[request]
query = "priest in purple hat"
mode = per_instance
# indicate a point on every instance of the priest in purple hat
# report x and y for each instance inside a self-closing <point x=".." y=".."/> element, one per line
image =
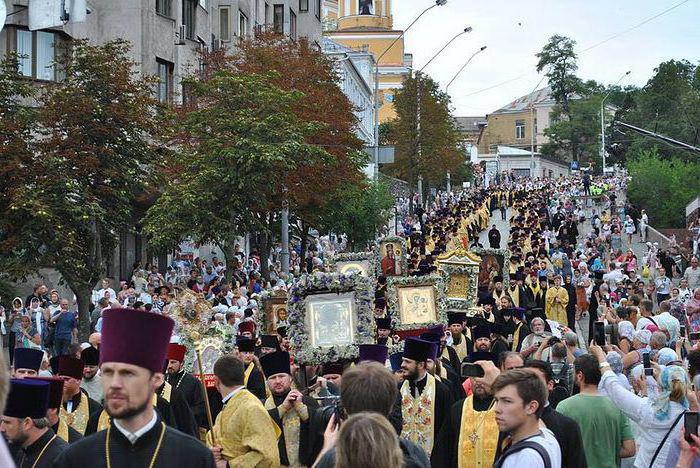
<point x="425" y="402"/>
<point x="132" y="354"/>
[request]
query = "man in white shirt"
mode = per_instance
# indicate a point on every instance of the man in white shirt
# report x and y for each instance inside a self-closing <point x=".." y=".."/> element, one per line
<point x="692" y="274"/>
<point x="106" y="288"/>
<point x="520" y="397"/>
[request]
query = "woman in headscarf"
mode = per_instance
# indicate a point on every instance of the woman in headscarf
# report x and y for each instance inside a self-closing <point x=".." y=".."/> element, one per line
<point x="670" y="325"/>
<point x="625" y="330"/>
<point x="692" y="308"/>
<point x="615" y="360"/>
<point x="640" y="345"/>
<point x="656" y="416"/>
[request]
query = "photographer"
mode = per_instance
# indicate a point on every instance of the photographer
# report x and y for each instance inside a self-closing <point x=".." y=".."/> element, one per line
<point x="369" y="386"/>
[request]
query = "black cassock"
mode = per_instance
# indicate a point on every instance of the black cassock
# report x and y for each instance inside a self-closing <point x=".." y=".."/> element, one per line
<point x="256" y="384"/>
<point x="73" y="435"/>
<point x="443" y="402"/>
<point x="29" y="456"/>
<point x="163" y="408"/>
<point x="304" y="445"/>
<point x="177" y="449"/>
<point x="191" y="389"/>
<point x="184" y="420"/>
<point x="568" y="434"/>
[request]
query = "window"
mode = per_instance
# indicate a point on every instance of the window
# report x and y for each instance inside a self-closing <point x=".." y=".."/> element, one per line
<point x="266" y="19"/>
<point x="189" y="17"/>
<point x="36" y="54"/>
<point x="535" y="125"/>
<point x="225" y="23"/>
<point x="292" y="24"/>
<point x="165" y="81"/>
<point x="303" y="5"/>
<point x="278" y="19"/>
<point x="164" y="7"/>
<point x="318" y="9"/>
<point x="242" y="24"/>
<point x="519" y="129"/>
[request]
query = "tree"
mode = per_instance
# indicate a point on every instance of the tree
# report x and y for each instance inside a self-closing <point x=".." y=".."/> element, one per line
<point x="236" y="146"/>
<point x="438" y="139"/>
<point x="663" y="186"/>
<point x="92" y="158"/>
<point x="359" y="211"/>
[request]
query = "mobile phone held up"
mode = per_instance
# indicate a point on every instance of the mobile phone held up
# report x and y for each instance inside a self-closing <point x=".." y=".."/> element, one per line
<point x="695" y="336"/>
<point x="691" y="421"/>
<point x="471" y="370"/>
<point x="648" y="370"/>
<point x="600" y="333"/>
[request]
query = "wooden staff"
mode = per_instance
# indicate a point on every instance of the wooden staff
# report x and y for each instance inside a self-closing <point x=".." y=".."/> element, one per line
<point x="206" y="397"/>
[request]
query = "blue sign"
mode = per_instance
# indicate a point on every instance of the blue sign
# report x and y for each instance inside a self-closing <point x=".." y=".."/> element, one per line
<point x="574" y="165"/>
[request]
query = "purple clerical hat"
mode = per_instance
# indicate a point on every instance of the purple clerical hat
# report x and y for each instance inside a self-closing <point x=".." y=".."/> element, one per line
<point x="373" y="352"/>
<point x="27" y="399"/>
<point x="417" y="349"/>
<point x="135" y="337"/>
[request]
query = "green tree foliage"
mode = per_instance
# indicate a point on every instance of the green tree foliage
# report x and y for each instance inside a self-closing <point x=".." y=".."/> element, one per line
<point x="80" y="181"/>
<point x="663" y="186"/>
<point x="236" y="146"/>
<point x="438" y="139"/>
<point x="558" y="60"/>
<point x="668" y="104"/>
<point x="359" y="211"/>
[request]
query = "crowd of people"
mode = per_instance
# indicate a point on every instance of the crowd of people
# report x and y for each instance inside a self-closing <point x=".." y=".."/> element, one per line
<point x="577" y="353"/>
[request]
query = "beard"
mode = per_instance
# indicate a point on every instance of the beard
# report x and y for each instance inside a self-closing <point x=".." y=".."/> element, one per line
<point x="127" y="412"/>
<point x="410" y="375"/>
<point x="19" y="439"/>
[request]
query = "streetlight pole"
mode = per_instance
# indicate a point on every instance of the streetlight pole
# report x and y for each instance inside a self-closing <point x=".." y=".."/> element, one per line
<point x="602" y="120"/>
<point x="376" y="84"/>
<point x="465" y="31"/>
<point x="481" y="49"/>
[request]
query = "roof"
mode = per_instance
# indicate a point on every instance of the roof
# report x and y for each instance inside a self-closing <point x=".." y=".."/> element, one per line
<point x="470" y="124"/>
<point x="538" y="98"/>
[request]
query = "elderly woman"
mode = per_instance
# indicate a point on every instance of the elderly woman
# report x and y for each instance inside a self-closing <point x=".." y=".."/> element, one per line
<point x="615" y="360"/>
<point x="625" y="330"/>
<point x="534" y="339"/>
<point x="640" y="345"/>
<point x="656" y="416"/>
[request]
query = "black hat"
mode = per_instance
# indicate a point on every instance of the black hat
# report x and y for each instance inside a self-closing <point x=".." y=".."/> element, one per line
<point x="497" y="328"/>
<point x="90" y="356"/>
<point x="456" y="317"/>
<point x="337" y="367"/>
<point x="282" y="332"/>
<point x="417" y="349"/>
<point x="27" y="399"/>
<point x="27" y="358"/>
<point x="486" y="300"/>
<point x="275" y="363"/>
<point x="383" y="323"/>
<point x="481" y="331"/>
<point x="245" y="345"/>
<point x="396" y="360"/>
<point x="498" y="279"/>
<point x="269" y="341"/>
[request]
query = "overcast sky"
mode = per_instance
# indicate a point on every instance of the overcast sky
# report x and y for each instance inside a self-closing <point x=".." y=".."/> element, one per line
<point x="514" y="31"/>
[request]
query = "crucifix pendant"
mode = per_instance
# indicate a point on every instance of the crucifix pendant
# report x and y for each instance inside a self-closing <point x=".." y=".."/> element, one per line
<point x="474" y="437"/>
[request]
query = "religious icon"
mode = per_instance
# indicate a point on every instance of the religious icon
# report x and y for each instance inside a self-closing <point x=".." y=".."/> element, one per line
<point x="391" y="259"/>
<point x="275" y="313"/>
<point x="490" y="266"/>
<point x="458" y="286"/>
<point x="330" y="320"/>
<point x="347" y="268"/>
<point x="417" y="304"/>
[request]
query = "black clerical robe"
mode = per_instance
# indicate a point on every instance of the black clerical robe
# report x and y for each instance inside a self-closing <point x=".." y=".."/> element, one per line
<point x="163" y="408"/>
<point x="33" y="456"/>
<point x="256" y="384"/>
<point x="191" y="388"/>
<point x="73" y="435"/>
<point x="443" y="402"/>
<point x="568" y="434"/>
<point x="183" y="418"/>
<point x="304" y="428"/>
<point x="177" y="449"/>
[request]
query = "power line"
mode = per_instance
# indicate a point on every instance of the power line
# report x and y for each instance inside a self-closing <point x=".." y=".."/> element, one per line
<point x="614" y="36"/>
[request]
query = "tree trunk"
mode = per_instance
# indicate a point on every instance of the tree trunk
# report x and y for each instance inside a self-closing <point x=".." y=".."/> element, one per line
<point x="228" y="249"/>
<point x="304" y="237"/>
<point x="83" y="295"/>
<point x="264" y="246"/>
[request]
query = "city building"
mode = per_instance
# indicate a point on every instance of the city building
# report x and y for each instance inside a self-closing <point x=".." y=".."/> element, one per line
<point x="356" y="72"/>
<point x="512" y="124"/>
<point x="521" y="163"/>
<point x="165" y="35"/>
<point x="369" y="23"/>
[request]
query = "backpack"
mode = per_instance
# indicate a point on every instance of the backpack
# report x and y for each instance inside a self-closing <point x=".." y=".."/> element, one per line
<point x="561" y="390"/>
<point x="521" y="446"/>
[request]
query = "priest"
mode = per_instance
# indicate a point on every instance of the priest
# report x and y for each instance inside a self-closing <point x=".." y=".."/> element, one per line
<point x="132" y="353"/>
<point x="185" y="383"/>
<point x="77" y="405"/>
<point x="425" y="402"/>
<point x="57" y="424"/>
<point x="24" y="425"/>
<point x="469" y="438"/>
<point x="460" y="343"/>
<point x="27" y="362"/>
<point x="289" y="409"/>
<point x="254" y="380"/>
<point x="91" y="376"/>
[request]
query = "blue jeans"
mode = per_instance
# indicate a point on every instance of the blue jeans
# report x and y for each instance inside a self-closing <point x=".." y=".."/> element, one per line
<point x="60" y="346"/>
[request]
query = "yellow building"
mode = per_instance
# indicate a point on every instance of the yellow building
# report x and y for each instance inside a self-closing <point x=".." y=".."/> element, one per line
<point x="368" y="25"/>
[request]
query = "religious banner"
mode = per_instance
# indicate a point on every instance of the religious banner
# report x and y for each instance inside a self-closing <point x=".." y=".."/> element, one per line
<point x="494" y="262"/>
<point x="329" y="315"/>
<point x="361" y="263"/>
<point x="392" y="256"/>
<point x="195" y="329"/>
<point x="460" y="270"/>
<point x="273" y="313"/>
<point x="416" y="302"/>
